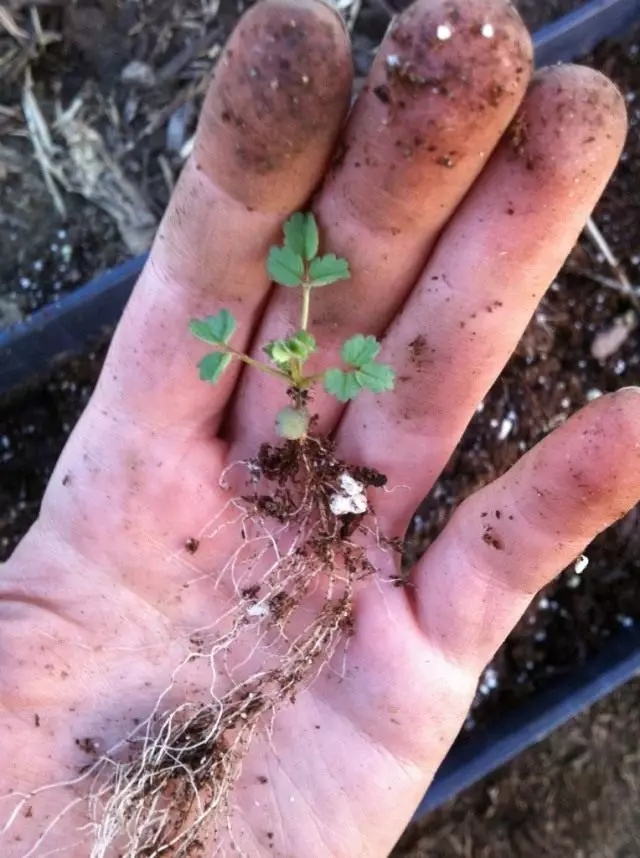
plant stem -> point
(258, 365)
(307, 380)
(296, 365)
(306, 300)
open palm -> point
(454, 219)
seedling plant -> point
(298, 265)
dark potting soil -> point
(34, 427)
(551, 375)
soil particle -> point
(518, 133)
(192, 544)
(369, 477)
(493, 539)
(419, 354)
(88, 745)
(382, 93)
(251, 592)
(496, 93)
(417, 347)
(280, 606)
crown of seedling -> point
(298, 264)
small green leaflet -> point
(285, 267)
(360, 351)
(214, 329)
(325, 270)
(212, 366)
(343, 385)
(301, 236)
(376, 377)
(298, 347)
(306, 339)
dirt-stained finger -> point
(446, 82)
(273, 112)
(513, 537)
(443, 88)
(484, 280)
(277, 102)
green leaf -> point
(328, 269)
(212, 366)
(278, 352)
(360, 350)
(301, 235)
(298, 347)
(285, 266)
(214, 329)
(376, 377)
(302, 344)
(343, 385)
(306, 339)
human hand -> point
(453, 230)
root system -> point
(165, 789)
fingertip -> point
(276, 104)
(630, 395)
(592, 463)
(620, 416)
(445, 84)
(571, 128)
(615, 414)
(596, 91)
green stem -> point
(306, 300)
(258, 365)
(308, 380)
(296, 365)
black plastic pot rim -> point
(32, 348)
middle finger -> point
(444, 87)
